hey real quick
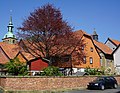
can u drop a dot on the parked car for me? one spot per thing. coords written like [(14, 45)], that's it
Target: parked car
[(103, 83)]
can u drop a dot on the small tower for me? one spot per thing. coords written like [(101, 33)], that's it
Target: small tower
[(95, 36), (9, 37)]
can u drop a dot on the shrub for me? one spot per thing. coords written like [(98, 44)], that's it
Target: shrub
[(51, 71), (93, 71), (15, 67)]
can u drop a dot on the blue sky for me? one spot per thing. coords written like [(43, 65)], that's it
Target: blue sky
[(104, 15)]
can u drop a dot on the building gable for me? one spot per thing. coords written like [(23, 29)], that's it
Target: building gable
[(91, 53), (21, 57), (116, 55), (37, 64), (111, 44), (92, 56), (3, 57)]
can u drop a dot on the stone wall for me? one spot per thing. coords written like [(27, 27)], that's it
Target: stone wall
[(45, 83)]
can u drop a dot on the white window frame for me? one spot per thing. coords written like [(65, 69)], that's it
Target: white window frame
[(91, 60)]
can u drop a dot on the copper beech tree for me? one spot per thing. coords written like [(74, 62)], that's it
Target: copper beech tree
[(46, 34)]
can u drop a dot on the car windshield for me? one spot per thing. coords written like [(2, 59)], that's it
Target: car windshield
[(99, 79)]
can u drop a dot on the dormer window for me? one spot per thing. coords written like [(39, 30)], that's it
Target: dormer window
[(91, 49)]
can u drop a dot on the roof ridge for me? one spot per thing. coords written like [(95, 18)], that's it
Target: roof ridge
[(116, 42), (114, 39), (103, 47)]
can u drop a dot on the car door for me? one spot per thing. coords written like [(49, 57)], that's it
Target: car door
[(108, 82)]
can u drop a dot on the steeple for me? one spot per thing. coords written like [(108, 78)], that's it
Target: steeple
[(10, 26), (9, 37), (95, 36)]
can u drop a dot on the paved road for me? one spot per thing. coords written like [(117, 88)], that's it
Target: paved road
[(96, 91)]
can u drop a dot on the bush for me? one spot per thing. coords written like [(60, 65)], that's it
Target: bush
[(93, 71), (15, 67), (51, 71)]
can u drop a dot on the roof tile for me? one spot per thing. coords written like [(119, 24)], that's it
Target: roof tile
[(8, 51), (115, 41), (103, 47)]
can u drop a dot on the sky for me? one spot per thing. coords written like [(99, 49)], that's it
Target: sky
[(103, 15)]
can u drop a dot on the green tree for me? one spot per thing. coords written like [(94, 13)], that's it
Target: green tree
[(15, 67)]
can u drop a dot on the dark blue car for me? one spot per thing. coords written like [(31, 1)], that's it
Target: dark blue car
[(103, 83)]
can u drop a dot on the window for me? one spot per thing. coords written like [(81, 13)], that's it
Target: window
[(101, 62), (13, 41), (84, 60), (65, 58), (91, 49), (82, 47), (54, 59), (91, 60)]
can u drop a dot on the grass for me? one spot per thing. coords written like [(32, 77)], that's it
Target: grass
[(41, 91)]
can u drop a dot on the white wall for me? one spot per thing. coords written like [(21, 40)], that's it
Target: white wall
[(116, 56), (110, 45)]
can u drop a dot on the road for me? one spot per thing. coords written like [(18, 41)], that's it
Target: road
[(95, 91)]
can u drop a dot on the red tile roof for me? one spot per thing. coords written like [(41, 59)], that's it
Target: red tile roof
[(3, 57), (116, 42), (104, 48), (30, 48), (28, 56), (80, 33), (100, 45), (8, 51)]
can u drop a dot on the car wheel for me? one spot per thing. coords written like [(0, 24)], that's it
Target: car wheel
[(102, 87), (115, 86)]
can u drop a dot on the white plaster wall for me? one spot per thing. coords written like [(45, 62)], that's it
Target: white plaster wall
[(116, 56), (110, 45), (117, 70)]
